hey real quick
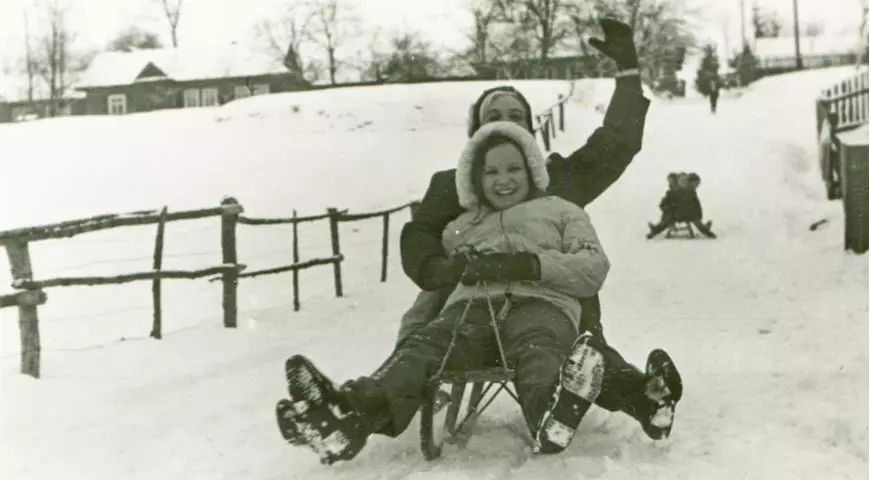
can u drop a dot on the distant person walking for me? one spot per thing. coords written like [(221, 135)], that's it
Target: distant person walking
[(714, 93)]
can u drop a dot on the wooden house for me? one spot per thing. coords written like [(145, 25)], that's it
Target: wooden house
[(145, 80)]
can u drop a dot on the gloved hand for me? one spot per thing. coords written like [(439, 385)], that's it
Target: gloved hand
[(618, 43), (443, 272), (502, 267)]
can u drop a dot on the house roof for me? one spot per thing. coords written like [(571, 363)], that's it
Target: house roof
[(179, 64), (783, 47)]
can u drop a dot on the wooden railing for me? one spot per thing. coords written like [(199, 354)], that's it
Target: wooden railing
[(844, 104), (31, 294), (547, 119)]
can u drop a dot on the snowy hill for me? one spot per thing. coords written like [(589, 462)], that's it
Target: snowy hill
[(768, 323)]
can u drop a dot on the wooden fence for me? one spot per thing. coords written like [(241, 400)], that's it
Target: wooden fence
[(31, 293), (841, 124), (547, 119)]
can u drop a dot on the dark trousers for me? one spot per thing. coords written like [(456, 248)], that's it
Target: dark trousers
[(537, 337)]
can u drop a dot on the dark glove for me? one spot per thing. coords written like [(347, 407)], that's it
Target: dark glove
[(502, 267), (618, 43), (443, 272)]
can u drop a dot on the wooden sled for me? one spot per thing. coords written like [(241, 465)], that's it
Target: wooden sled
[(684, 229), (482, 381), (486, 385), (680, 230)]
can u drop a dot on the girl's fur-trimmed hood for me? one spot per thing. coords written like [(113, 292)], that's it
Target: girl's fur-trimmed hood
[(535, 160)]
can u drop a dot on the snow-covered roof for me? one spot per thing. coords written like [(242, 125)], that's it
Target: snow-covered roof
[(783, 47), (180, 64)]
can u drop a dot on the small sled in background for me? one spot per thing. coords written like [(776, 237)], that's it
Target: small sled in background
[(683, 229), (681, 209)]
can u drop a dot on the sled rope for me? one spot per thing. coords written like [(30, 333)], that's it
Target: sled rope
[(455, 333), (492, 318)]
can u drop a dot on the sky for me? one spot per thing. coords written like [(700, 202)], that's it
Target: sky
[(215, 22)]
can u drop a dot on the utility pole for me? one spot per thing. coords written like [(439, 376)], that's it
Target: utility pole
[(742, 24), (797, 38)]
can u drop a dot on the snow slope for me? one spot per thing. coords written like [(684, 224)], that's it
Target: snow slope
[(768, 323)]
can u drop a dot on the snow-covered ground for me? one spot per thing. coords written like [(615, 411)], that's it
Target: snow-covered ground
[(768, 323)]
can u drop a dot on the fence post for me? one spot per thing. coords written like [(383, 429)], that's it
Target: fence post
[(385, 246), (296, 305), (561, 113), (157, 327), (552, 123), (28, 320), (854, 186), (545, 133), (229, 219), (336, 249)]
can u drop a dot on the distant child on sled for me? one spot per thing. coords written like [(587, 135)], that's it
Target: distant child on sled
[(536, 255), (681, 205)]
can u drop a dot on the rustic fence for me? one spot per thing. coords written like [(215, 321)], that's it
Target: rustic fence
[(547, 123), (841, 127), (31, 293)]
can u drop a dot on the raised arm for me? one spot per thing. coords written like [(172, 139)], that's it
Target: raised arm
[(588, 172), (423, 257)]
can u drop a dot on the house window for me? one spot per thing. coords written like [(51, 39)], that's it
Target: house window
[(191, 98), (210, 97), (261, 89), (117, 104), (241, 91)]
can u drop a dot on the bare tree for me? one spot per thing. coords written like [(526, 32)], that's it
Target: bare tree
[(333, 25), (662, 28), (765, 23), (287, 37), (411, 59), (172, 11), (483, 13), (29, 60), (134, 38), (53, 58), (371, 63)]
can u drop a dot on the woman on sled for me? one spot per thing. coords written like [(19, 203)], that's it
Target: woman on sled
[(536, 255)]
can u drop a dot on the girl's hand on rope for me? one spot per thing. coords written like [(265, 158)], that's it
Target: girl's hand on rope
[(502, 267), (446, 272)]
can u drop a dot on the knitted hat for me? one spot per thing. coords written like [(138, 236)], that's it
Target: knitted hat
[(487, 97), (535, 162)]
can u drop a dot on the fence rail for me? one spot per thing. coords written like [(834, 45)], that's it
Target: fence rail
[(228, 272)]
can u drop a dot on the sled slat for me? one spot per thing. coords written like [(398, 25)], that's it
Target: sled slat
[(496, 374)]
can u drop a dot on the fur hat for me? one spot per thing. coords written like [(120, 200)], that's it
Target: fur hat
[(535, 162), (474, 110)]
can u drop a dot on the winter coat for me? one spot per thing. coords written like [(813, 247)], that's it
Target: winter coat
[(573, 264), (579, 178), (685, 205)]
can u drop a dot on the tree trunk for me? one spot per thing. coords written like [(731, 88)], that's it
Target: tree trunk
[(332, 64)]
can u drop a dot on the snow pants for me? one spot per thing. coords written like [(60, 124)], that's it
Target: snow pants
[(537, 337)]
